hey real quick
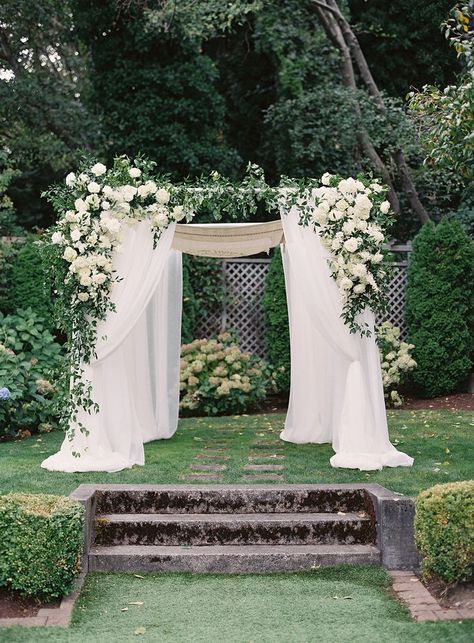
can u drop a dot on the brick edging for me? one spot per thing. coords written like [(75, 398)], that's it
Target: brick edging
[(423, 606), (51, 616)]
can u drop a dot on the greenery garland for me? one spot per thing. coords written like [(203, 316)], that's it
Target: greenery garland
[(96, 204)]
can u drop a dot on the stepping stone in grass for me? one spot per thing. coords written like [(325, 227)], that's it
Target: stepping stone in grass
[(263, 467), (262, 477), (208, 467), (212, 456), (274, 456), (208, 477)]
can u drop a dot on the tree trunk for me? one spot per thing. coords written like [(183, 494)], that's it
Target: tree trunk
[(330, 15)]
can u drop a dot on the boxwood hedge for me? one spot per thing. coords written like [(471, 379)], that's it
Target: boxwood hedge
[(41, 543)]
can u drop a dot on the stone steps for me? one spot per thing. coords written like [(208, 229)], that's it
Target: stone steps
[(244, 528), (228, 559), (234, 529), (227, 499)]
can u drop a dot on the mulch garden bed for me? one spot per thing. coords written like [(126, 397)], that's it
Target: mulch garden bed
[(456, 402), (13, 605), (459, 597)]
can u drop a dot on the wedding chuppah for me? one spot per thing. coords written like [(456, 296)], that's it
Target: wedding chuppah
[(116, 257)]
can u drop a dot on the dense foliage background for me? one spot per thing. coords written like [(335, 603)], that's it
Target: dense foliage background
[(211, 85)]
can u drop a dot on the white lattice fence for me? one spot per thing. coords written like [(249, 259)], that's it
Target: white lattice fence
[(243, 310)]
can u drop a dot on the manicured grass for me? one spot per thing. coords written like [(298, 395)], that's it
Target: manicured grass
[(340, 604), (440, 441)]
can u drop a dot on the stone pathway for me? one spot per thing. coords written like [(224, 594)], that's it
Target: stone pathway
[(210, 463), (422, 605), (265, 462)]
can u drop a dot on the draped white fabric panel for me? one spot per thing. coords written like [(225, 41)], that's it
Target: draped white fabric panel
[(336, 385), (135, 378)]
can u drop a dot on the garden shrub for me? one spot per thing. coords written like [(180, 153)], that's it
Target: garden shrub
[(444, 530), (395, 361), (440, 307), (28, 283), (188, 319), (276, 323), (41, 543), (217, 378), (31, 364)]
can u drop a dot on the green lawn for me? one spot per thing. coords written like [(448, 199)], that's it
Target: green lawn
[(341, 604), (338, 604), (440, 441)]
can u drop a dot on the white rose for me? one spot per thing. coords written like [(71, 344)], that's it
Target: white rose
[(342, 205), (178, 212), (326, 177), (384, 207), (86, 281), (361, 225), (108, 191), (105, 205), (70, 179), (92, 238), (347, 186), (104, 242), (98, 169), (336, 244), (375, 233), (319, 215), (69, 254), (160, 219), (134, 172), (80, 205), (93, 187), (377, 258), (359, 289), (75, 235), (127, 192), (57, 238), (162, 196), (99, 278), (351, 244), (71, 216), (346, 283), (359, 270), (83, 296), (363, 202), (83, 177), (349, 227)]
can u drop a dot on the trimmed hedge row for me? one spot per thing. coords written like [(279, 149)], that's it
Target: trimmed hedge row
[(41, 543), (444, 530), (439, 309)]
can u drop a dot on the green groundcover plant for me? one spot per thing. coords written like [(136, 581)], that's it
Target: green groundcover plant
[(41, 543), (444, 529)]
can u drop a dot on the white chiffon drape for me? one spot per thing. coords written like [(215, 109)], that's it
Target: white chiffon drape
[(336, 392), (135, 376)]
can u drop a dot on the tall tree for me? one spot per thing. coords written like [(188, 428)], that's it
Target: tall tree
[(43, 120)]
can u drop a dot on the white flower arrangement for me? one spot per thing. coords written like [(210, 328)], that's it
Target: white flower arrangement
[(395, 361), (350, 216), (98, 204)]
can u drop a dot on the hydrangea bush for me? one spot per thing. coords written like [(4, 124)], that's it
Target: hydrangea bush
[(218, 378), (30, 363), (395, 360)]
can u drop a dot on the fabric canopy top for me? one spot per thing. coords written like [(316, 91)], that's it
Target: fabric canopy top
[(227, 239)]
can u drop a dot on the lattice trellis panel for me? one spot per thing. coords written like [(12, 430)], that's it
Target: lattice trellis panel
[(243, 310), (397, 299)]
